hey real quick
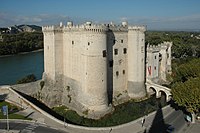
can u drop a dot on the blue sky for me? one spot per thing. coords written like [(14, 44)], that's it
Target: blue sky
[(156, 14)]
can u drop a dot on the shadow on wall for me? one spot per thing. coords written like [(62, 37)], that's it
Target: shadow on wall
[(110, 62), (158, 124)]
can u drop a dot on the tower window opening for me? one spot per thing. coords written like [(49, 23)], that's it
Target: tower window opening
[(117, 73), (155, 57), (72, 42), (125, 50), (123, 71), (122, 41), (88, 43), (116, 51), (104, 53), (142, 49), (155, 68), (111, 63)]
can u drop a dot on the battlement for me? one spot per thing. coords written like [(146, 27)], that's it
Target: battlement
[(139, 28), (89, 26), (153, 48), (166, 43), (52, 28), (163, 45), (86, 27)]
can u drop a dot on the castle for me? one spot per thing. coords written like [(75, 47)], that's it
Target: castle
[(89, 67)]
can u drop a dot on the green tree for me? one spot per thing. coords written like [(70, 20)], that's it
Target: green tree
[(187, 94), (186, 85), (21, 42)]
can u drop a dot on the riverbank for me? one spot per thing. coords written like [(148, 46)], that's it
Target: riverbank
[(21, 53)]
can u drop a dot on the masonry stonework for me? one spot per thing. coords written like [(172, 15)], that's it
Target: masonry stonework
[(90, 67)]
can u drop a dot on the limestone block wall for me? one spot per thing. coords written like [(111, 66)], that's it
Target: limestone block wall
[(85, 68), (136, 62), (117, 64), (169, 67), (49, 52), (153, 64), (90, 65), (95, 71), (163, 64), (58, 45)]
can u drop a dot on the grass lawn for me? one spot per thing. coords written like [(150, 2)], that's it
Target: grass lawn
[(12, 109)]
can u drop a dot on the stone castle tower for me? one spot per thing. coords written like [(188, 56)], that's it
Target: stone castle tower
[(88, 66)]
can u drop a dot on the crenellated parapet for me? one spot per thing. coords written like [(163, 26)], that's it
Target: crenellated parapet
[(137, 28), (90, 27), (87, 27), (52, 28), (118, 28), (166, 44), (153, 48)]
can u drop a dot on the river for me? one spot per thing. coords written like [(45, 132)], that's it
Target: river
[(12, 68)]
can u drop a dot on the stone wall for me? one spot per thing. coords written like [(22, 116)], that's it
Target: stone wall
[(136, 62), (88, 66)]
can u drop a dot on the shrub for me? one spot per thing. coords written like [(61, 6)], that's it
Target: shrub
[(27, 79)]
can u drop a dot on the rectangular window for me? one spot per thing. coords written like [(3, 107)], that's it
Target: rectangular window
[(88, 43), (72, 42), (125, 50), (155, 68), (104, 53), (155, 57), (122, 41), (116, 51)]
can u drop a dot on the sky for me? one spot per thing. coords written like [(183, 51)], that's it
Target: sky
[(156, 14)]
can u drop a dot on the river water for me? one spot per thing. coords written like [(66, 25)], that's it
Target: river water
[(12, 68)]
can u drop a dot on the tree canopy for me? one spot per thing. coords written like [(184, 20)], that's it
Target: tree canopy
[(185, 44), (21, 42), (186, 85)]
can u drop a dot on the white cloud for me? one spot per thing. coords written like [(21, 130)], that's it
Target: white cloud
[(158, 23), (42, 19), (170, 23)]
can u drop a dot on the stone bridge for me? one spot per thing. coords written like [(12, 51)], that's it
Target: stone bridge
[(158, 89)]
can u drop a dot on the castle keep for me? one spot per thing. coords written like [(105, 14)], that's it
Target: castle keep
[(87, 67)]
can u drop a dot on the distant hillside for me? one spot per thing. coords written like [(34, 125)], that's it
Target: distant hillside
[(20, 28), (32, 27)]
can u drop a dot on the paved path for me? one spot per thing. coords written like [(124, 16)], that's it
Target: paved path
[(132, 127), (171, 117), (27, 127), (193, 128)]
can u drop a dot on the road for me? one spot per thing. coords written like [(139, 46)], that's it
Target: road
[(29, 127), (159, 125)]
